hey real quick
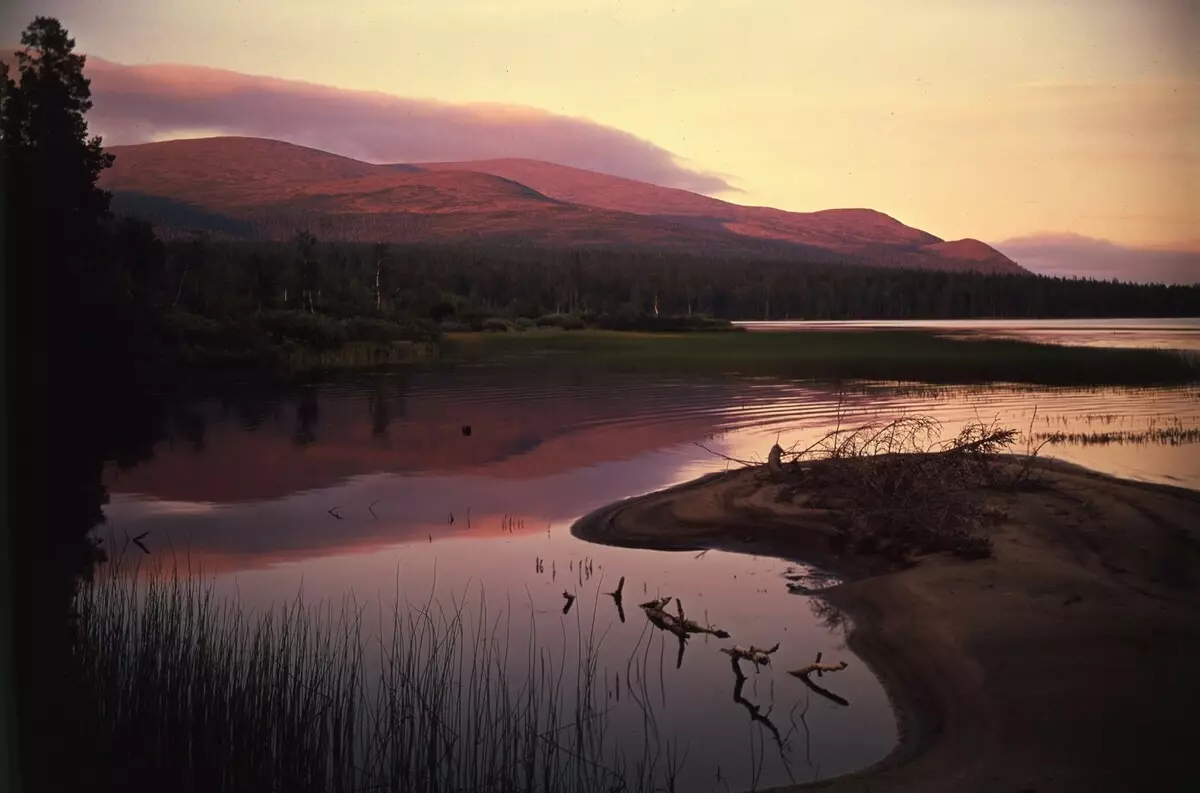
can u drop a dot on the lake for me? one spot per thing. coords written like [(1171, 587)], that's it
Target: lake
[(1158, 333), (369, 486)]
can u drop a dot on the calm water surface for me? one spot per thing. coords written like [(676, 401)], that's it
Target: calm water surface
[(368, 486), (1174, 334)]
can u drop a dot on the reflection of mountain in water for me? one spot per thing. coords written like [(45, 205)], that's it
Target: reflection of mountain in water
[(523, 426), (254, 480)]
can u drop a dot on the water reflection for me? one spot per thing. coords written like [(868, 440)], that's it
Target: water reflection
[(369, 486), (368, 463), (1168, 333)]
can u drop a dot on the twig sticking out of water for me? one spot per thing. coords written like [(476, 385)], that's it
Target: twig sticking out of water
[(617, 596)]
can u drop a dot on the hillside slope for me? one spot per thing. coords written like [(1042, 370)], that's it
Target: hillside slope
[(249, 188)]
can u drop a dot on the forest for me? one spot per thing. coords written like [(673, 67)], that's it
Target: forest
[(463, 286)]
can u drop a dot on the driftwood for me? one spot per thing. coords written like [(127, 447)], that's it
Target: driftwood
[(755, 655), (677, 624), (775, 462), (818, 668)]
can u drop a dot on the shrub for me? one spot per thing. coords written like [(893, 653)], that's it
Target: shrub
[(368, 329), (564, 321), (495, 324), (313, 331)]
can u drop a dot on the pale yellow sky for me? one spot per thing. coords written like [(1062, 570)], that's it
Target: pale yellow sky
[(988, 119)]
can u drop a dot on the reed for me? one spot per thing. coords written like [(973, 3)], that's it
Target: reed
[(191, 692)]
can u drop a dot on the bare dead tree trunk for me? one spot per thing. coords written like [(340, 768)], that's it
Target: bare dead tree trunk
[(378, 295), (179, 291)]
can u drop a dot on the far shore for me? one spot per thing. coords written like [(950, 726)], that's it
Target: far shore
[(1066, 662)]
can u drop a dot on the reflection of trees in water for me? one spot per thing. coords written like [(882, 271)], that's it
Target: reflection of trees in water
[(308, 414), (253, 409), (379, 406), (188, 422), (828, 615), (52, 551)]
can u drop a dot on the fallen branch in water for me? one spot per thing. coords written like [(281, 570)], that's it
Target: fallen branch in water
[(755, 655), (677, 624), (805, 674)]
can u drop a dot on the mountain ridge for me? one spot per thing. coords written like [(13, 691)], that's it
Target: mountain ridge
[(259, 188)]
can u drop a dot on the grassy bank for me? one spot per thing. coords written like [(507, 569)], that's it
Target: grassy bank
[(298, 342), (291, 343), (877, 355), (189, 692)]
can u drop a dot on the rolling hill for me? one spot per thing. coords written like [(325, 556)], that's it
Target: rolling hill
[(251, 188)]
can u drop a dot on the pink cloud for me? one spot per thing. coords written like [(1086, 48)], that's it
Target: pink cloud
[(1073, 255), (135, 104)]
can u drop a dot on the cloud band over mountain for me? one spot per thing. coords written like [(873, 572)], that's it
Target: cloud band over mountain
[(136, 104)]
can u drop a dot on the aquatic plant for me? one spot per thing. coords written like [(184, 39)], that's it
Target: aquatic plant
[(190, 692)]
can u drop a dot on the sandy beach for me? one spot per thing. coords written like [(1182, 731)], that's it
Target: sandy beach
[(1066, 662)]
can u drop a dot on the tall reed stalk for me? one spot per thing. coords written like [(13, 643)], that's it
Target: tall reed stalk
[(190, 692)]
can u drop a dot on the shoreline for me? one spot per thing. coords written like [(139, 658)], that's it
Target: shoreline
[(1063, 663)]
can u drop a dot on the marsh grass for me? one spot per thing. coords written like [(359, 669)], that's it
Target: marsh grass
[(903, 356), (189, 692), (1159, 436)]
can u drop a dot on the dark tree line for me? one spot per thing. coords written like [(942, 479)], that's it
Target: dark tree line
[(462, 285), (78, 323)]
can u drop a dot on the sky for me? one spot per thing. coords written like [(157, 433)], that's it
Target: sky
[(991, 119)]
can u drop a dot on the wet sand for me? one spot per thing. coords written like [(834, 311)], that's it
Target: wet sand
[(1070, 661)]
